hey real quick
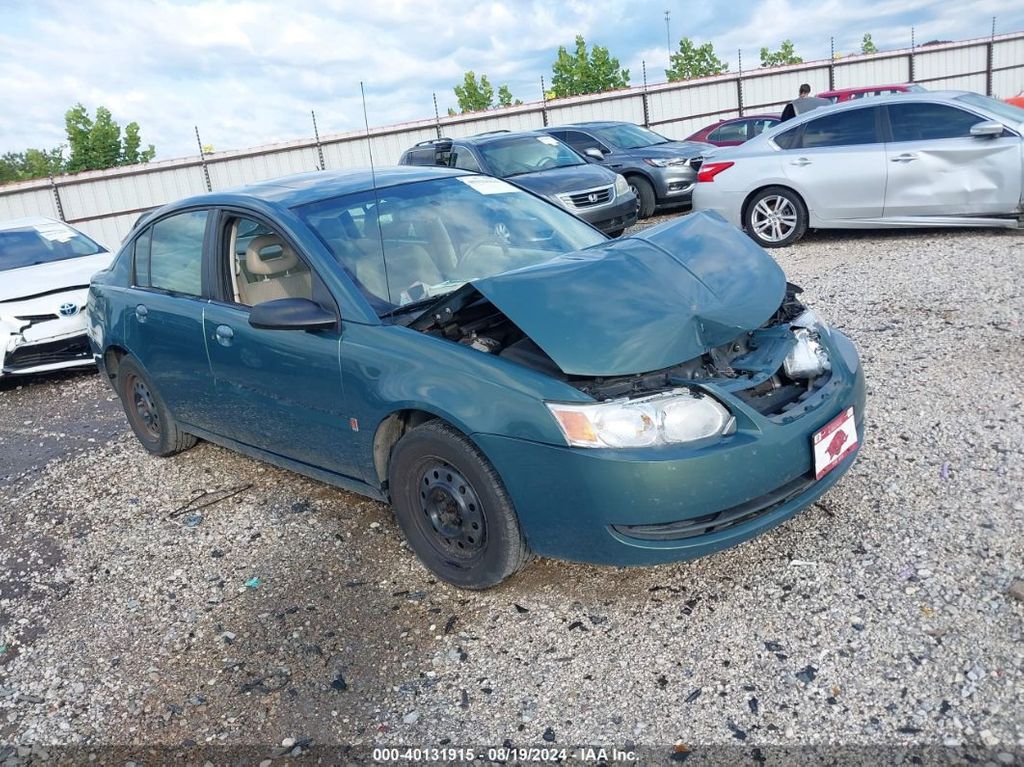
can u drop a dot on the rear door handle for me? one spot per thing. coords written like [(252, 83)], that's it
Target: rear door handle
[(801, 161), (224, 335), (141, 312), (905, 157)]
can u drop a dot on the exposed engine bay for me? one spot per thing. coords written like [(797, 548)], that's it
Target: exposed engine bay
[(772, 368)]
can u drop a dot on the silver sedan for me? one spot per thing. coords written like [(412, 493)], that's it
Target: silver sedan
[(911, 159)]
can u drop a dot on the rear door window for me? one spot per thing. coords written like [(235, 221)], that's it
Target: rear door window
[(922, 121), (174, 259), (846, 128)]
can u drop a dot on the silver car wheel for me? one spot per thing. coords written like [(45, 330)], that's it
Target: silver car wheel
[(774, 218)]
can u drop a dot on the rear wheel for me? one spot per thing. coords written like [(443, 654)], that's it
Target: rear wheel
[(644, 196), (147, 414), (454, 509), (775, 217)]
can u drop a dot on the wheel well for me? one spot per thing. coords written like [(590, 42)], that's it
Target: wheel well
[(389, 432), (756, 192), (112, 361), (638, 174)]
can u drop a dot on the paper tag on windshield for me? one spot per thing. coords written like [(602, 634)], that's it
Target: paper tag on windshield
[(487, 184), (54, 232), (548, 140)]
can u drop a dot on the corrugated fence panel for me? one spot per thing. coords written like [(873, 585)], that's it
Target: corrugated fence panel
[(34, 201), (106, 203), (774, 90), (713, 98), (876, 71), (932, 64)]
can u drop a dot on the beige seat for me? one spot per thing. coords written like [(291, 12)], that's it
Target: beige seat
[(277, 272)]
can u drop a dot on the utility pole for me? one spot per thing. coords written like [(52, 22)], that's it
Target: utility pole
[(668, 37)]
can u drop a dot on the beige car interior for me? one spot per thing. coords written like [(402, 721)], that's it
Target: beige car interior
[(270, 269)]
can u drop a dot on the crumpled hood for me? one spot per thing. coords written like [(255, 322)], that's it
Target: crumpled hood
[(643, 303), (16, 284)]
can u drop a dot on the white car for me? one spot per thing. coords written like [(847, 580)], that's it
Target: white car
[(45, 268), (912, 159)]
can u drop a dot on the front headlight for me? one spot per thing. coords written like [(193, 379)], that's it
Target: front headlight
[(683, 415), (621, 185), (665, 162)]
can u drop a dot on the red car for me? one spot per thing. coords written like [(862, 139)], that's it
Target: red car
[(846, 94), (735, 131)]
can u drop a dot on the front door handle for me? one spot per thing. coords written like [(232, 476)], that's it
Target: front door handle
[(800, 162), (141, 312), (905, 157), (224, 335)]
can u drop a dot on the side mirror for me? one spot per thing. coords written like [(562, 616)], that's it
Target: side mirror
[(988, 128), (593, 153), (291, 314)]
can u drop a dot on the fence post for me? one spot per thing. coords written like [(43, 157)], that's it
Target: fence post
[(543, 102), (989, 59), (647, 111), (202, 159), (437, 118), (56, 198), (832, 64), (739, 83), (319, 148), (912, 48)]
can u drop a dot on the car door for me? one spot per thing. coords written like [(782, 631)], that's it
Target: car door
[(838, 164), (937, 168), (581, 142), (278, 390), (165, 316)]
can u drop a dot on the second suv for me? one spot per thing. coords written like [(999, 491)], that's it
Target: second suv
[(540, 164), (660, 171)]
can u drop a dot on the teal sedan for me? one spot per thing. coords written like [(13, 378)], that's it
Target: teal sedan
[(510, 380)]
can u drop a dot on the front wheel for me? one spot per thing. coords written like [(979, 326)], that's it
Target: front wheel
[(147, 414), (775, 217), (454, 509), (644, 196)]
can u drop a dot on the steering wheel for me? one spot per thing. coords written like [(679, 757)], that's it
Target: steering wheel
[(474, 249), (546, 162)]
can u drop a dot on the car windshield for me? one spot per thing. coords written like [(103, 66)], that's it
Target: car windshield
[(405, 245), (516, 155), (1005, 112), (629, 136), (41, 244)]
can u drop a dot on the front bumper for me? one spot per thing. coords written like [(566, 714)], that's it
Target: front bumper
[(43, 346), (580, 504), (620, 214), (674, 185)]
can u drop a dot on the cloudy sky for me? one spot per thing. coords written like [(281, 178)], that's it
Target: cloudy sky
[(248, 72)]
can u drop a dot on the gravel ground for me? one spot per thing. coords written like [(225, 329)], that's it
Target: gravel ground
[(212, 599)]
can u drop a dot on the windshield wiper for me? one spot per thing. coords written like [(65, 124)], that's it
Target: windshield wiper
[(410, 307)]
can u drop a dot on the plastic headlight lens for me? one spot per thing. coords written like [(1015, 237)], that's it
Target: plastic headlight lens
[(621, 185), (679, 416), (665, 162)]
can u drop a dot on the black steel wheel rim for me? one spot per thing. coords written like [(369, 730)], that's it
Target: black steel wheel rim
[(450, 511), (147, 417)]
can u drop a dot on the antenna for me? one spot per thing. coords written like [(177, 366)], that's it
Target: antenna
[(376, 197)]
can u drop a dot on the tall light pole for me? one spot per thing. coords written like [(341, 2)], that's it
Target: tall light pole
[(668, 37)]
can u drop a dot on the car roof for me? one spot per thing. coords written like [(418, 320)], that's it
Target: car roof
[(863, 88), (29, 221), (944, 97), (487, 138), (303, 188)]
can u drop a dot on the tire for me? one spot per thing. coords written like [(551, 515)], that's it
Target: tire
[(775, 217), (147, 414), (644, 196), (454, 509)]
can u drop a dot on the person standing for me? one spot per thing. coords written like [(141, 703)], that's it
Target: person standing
[(805, 102)]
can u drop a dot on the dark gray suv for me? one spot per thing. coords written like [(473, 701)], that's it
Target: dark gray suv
[(540, 164), (660, 171)]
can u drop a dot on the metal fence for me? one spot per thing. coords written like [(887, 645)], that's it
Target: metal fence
[(104, 204)]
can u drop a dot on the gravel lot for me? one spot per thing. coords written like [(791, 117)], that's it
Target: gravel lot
[(132, 613)]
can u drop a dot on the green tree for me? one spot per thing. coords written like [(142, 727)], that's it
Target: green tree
[(867, 45), (474, 96), (96, 143), (785, 55), (580, 73), (692, 61), (505, 98), (32, 163)]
